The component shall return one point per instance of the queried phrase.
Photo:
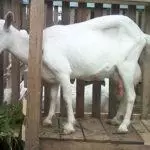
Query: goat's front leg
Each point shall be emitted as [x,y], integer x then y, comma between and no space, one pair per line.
[53,98]
[67,95]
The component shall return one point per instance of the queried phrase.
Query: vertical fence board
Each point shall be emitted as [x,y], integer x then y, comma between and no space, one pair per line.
[24,18]
[132,12]
[80,98]
[112,84]
[1,79]
[55,15]
[1,64]
[15,72]
[49,14]
[34,75]
[146,70]
[98,11]
[81,15]
[46,97]
[96,99]
[49,22]
[65,21]
[115,9]
[65,13]
[96,91]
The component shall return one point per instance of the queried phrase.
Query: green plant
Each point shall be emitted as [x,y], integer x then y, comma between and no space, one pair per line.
[11,119]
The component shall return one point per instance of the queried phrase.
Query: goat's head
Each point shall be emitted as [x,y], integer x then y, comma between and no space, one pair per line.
[5,31]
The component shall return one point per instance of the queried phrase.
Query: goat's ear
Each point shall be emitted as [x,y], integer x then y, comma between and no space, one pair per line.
[9,18]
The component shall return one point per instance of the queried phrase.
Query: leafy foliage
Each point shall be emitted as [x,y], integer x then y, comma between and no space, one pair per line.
[11,118]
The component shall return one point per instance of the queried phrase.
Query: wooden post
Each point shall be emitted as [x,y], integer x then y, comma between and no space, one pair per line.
[65,21]
[34,75]
[146,70]
[112,84]
[15,71]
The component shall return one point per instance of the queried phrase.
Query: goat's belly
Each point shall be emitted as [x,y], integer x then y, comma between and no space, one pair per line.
[89,74]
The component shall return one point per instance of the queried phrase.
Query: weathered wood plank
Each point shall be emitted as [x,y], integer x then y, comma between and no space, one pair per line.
[34,74]
[24,19]
[147,124]
[142,131]
[51,132]
[80,98]
[73,145]
[98,11]
[65,21]
[146,70]
[49,14]
[81,15]
[15,71]
[132,12]
[115,9]
[1,79]
[76,136]
[130,138]
[131,2]
[96,99]
[65,13]
[112,83]
[47,99]
[93,130]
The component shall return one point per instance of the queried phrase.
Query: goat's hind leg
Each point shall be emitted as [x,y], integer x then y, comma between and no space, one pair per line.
[53,98]
[127,70]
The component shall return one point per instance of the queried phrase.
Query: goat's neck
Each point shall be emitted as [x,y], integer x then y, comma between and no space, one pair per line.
[20,46]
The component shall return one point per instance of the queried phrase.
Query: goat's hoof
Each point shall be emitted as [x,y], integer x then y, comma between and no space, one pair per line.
[47,122]
[122,129]
[68,129]
[114,121]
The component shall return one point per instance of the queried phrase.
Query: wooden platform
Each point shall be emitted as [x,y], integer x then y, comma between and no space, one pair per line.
[96,132]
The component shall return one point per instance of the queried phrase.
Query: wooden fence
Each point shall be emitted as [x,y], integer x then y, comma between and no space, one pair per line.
[58,12]
[64,12]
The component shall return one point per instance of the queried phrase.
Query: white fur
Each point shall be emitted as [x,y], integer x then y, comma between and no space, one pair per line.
[91,50]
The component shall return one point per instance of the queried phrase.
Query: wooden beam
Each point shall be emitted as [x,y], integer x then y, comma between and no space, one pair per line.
[146,70]
[127,2]
[34,74]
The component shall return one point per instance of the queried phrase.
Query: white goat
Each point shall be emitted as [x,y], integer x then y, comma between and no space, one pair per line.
[91,50]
